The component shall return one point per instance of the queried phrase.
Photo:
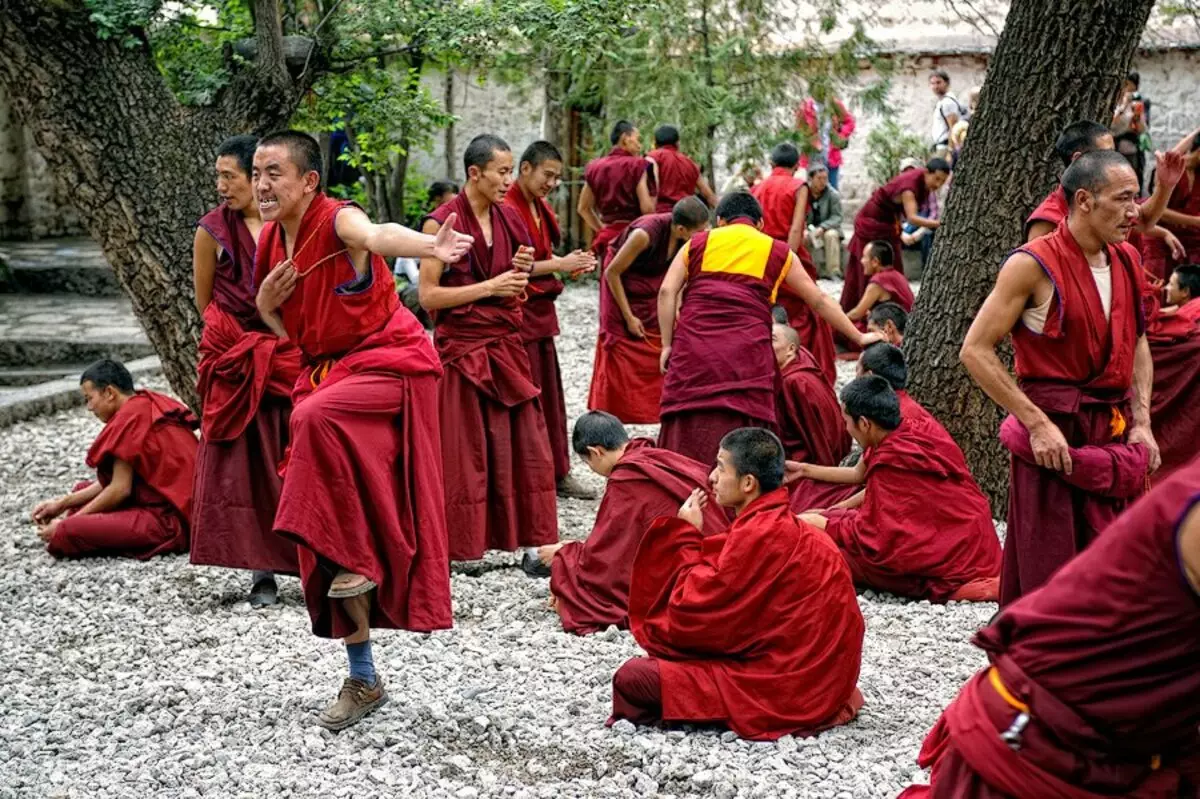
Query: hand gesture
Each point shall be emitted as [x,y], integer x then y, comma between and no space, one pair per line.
[1141,434]
[1050,447]
[692,510]
[578,262]
[1174,245]
[664,359]
[523,260]
[635,327]
[46,511]
[509,284]
[277,287]
[449,246]
[793,471]
[1169,167]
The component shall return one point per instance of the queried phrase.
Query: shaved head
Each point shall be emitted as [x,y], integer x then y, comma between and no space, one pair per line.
[789,334]
[1093,172]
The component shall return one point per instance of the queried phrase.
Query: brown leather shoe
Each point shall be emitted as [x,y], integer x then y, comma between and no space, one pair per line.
[354,701]
[571,488]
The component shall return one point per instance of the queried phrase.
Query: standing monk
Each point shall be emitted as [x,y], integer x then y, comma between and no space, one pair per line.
[499,471]
[626,380]
[362,489]
[246,379]
[617,189]
[897,200]
[540,171]
[1072,302]
[784,201]
[719,364]
[678,176]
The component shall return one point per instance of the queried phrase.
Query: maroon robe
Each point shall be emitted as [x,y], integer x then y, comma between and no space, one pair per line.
[810,418]
[924,529]
[1103,656]
[1186,200]
[153,434]
[499,470]
[540,325]
[362,486]
[246,374]
[896,285]
[880,219]
[1079,371]
[777,196]
[757,627]
[1174,418]
[626,380]
[677,177]
[613,180]
[590,578]
[722,372]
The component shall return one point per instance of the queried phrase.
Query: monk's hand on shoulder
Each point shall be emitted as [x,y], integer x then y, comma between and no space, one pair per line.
[635,327]
[867,339]
[1142,434]
[664,359]
[509,284]
[1169,167]
[523,260]
[1049,446]
[692,510]
[449,246]
[276,288]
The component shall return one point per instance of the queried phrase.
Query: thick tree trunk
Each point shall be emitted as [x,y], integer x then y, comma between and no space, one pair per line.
[1054,63]
[138,164]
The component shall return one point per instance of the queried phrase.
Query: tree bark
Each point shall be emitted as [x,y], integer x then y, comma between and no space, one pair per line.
[449,146]
[138,164]
[1054,63]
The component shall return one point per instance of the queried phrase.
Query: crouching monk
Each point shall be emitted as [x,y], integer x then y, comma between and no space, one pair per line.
[756,628]
[589,579]
[362,488]
[810,419]
[1093,688]
[140,503]
[922,528]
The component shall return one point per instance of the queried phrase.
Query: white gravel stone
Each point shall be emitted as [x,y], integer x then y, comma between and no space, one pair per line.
[129,679]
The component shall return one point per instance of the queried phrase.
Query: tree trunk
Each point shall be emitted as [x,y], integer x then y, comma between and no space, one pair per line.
[138,164]
[1054,63]
[449,146]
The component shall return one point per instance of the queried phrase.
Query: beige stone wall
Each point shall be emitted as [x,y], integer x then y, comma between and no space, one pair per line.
[31,206]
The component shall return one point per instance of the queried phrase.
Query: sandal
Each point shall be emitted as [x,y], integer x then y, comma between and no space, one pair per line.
[351,585]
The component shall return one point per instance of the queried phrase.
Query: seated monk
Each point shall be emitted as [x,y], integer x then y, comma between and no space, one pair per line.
[145,457]
[756,628]
[589,579]
[1092,688]
[810,419]
[889,320]
[885,283]
[921,528]
[1174,335]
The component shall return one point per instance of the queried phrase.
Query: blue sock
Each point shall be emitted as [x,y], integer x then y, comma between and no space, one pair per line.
[362,666]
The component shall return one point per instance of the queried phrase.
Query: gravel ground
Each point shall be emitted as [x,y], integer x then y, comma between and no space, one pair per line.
[157,680]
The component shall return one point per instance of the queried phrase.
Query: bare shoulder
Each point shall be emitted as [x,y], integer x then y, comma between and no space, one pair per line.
[1021,273]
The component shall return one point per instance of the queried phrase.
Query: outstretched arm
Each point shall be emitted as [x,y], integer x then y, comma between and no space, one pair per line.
[1168,170]
[799,282]
[873,294]
[390,240]
[706,191]
[435,297]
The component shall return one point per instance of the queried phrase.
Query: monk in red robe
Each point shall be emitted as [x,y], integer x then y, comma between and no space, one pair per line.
[898,200]
[756,628]
[245,386]
[1072,301]
[499,471]
[1174,335]
[677,176]
[922,528]
[626,380]
[784,200]
[589,579]
[810,419]
[538,175]
[885,283]
[140,503]
[719,366]
[617,189]
[888,320]
[1092,688]
[362,485]
[1182,218]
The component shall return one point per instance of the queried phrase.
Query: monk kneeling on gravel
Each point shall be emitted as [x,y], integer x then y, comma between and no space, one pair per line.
[756,628]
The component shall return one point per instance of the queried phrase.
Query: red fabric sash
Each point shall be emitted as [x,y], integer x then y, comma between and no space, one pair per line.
[153,434]
[233,283]
[896,284]
[237,368]
[677,176]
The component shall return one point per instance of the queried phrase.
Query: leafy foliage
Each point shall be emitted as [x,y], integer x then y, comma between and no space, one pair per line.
[887,145]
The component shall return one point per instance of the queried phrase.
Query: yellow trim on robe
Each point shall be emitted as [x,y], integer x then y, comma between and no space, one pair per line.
[783,273]
[737,250]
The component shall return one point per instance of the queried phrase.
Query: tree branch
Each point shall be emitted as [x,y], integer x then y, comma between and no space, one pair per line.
[269,62]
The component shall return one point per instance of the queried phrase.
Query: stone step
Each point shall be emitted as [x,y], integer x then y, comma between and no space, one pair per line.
[39,352]
[57,266]
[18,404]
[46,331]
[17,376]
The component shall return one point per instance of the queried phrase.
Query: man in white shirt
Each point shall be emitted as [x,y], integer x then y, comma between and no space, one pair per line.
[946,113]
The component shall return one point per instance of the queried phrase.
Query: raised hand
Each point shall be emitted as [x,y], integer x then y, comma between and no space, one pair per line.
[1169,167]
[449,246]
[1174,245]
[692,510]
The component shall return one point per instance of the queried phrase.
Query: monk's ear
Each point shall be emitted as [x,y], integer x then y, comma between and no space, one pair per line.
[595,452]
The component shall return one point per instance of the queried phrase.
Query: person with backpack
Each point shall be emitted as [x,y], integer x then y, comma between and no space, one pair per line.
[946,113]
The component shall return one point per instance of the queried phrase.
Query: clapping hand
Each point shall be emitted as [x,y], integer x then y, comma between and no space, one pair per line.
[449,246]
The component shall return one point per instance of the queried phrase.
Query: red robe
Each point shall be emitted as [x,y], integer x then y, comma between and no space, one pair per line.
[756,627]
[153,434]
[1174,418]
[499,470]
[1080,372]
[722,372]
[362,488]
[626,380]
[924,529]
[810,418]
[614,180]
[540,325]
[677,177]
[1104,656]
[895,284]
[590,578]
[246,374]
[1186,200]
[880,219]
